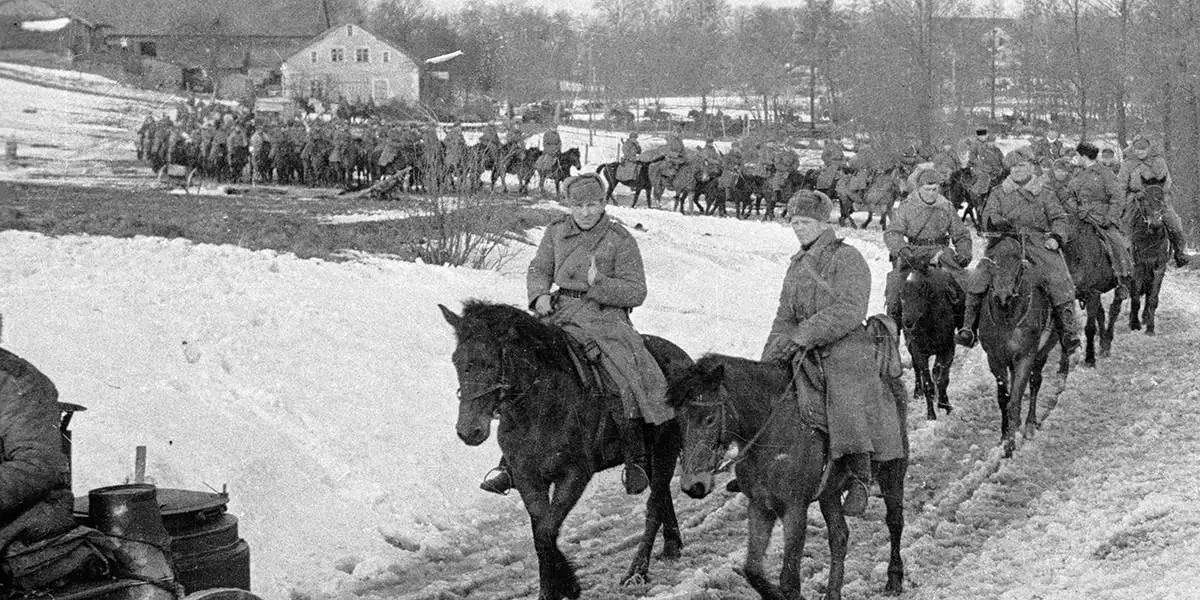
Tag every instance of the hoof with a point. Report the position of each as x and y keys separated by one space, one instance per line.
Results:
x=635 y=579
x=1149 y=331
x=1030 y=429
x=945 y=406
x=1134 y=326
x=670 y=552
x=1009 y=447
x=931 y=415
x=1089 y=363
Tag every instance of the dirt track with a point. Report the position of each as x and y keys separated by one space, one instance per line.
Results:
x=964 y=502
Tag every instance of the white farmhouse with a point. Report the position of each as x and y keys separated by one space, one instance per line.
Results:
x=350 y=63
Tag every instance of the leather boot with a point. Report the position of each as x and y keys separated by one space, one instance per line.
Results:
x=965 y=336
x=1068 y=327
x=1177 y=246
x=893 y=311
x=498 y=480
x=635 y=478
x=859 y=467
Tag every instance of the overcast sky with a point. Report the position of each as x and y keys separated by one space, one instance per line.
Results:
x=981 y=7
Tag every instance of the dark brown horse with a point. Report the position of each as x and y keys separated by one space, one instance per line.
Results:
x=780 y=466
x=559 y=170
x=1092 y=271
x=638 y=183
x=1016 y=331
x=931 y=308
x=554 y=433
x=1151 y=250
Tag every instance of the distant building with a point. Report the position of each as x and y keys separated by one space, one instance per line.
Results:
x=42 y=27
x=350 y=63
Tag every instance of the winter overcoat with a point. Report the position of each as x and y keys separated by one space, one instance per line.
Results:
x=1032 y=210
x=822 y=308
x=600 y=318
x=34 y=501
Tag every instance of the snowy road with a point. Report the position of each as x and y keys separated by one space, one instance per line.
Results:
x=1101 y=504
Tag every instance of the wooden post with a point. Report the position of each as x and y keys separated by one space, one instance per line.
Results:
x=139 y=465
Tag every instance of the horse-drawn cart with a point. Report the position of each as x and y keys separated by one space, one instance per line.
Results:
x=183 y=176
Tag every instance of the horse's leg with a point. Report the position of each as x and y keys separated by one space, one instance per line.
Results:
x=1106 y=337
x=890 y=476
x=1152 y=299
x=1035 y=386
x=762 y=523
x=1022 y=373
x=1000 y=372
x=870 y=217
x=1092 y=306
x=941 y=378
x=922 y=386
x=838 y=534
x=660 y=512
x=1137 y=288
x=557 y=574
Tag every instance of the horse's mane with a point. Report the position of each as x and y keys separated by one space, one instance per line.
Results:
x=515 y=328
x=741 y=376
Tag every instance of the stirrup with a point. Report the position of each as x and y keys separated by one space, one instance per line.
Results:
x=1182 y=260
x=635 y=482
x=965 y=337
x=497 y=481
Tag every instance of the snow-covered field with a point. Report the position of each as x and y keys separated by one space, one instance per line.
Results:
x=322 y=394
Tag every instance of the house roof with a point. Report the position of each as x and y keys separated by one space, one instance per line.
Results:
x=288 y=18
x=336 y=29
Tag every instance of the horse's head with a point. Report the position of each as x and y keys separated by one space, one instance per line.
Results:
x=569 y=159
x=1007 y=258
x=915 y=297
x=479 y=363
x=700 y=401
x=1149 y=207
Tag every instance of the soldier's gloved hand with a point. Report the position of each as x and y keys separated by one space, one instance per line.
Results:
x=786 y=350
x=1000 y=224
x=1051 y=244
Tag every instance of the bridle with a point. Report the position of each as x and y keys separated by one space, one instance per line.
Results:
x=501 y=385
x=743 y=451
x=1024 y=312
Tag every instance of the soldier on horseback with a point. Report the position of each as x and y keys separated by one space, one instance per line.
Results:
x=596 y=267
x=551 y=147
x=821 y=310
x=630 y=148
x=925 y=230
x=986 y=161
x=1096 y=198
x=709 y=151
x=1142 y=169
x=1023 y=205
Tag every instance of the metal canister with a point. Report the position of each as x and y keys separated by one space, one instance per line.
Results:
x=129 y=512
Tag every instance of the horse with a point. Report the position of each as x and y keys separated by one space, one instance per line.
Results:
x=729 y=186
x=781 y=466
x=1151 y=250
x=931 y=308
x=638 y=183
x=554 y=432
x=1092 y=271
x=881 y=196
x=957 y=189
x=560 y=170
x=1016 y=331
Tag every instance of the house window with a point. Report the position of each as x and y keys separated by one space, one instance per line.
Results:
x=314 y=57
x=315 y=88
x=387 y=56
x=380 y=91
x=337 y=54
x=148 y=48
x=362 y=55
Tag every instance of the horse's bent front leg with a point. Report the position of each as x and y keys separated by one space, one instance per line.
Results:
x=762 y=523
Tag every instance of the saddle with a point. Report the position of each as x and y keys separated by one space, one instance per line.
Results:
x=599 y=385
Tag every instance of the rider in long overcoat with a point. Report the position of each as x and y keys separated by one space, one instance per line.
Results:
x=1023 y=204
x=586 y=277
x=820 y=318
x=1098 y=199
x=924 y=229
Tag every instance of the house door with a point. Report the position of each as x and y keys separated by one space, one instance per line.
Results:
x=380 y=90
